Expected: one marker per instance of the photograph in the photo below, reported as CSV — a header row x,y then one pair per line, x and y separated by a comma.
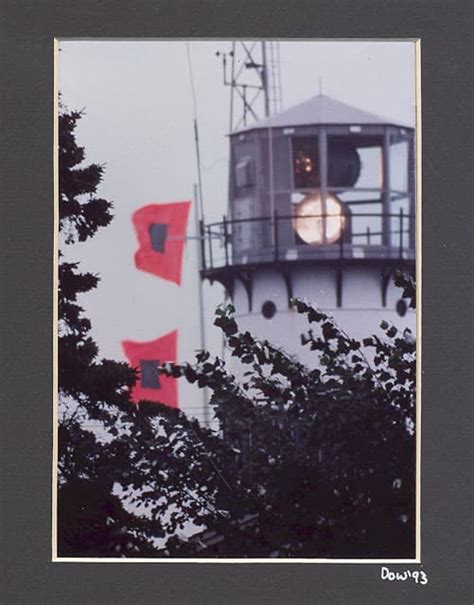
x,y
237,268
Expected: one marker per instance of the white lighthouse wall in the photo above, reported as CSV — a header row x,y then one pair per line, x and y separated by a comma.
x,y
359,316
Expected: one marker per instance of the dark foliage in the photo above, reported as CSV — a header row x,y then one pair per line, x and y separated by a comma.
x,y
93,393
81,213
317,463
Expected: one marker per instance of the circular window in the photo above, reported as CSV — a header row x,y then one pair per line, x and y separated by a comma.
x,y
268,309
401,307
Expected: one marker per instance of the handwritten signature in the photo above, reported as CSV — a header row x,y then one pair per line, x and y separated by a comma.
x,y
419,577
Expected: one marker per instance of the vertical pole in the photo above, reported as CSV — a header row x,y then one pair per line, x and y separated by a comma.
x,y
339,272
270,178
201,240
386,189
196,133
198,160
279,106
275,236
323,175
400,241
232,89
202,329
209,240
265,80
226,251
244,95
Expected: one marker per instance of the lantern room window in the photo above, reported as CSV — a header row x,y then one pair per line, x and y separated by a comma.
x,y
343,160
305,162
355,162
244,173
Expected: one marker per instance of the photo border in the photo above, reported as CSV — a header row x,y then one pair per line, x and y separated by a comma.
x,y
418,410
29,30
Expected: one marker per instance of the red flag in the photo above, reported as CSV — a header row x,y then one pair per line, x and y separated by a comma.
x,y
161,232
146,357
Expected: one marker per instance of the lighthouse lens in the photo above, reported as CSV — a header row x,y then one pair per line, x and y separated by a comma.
x,y
310,224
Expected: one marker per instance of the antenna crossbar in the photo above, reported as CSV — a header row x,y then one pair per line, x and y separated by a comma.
x,y
253,67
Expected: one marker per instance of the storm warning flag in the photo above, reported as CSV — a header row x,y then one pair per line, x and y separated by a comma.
x,y
146,357
161,232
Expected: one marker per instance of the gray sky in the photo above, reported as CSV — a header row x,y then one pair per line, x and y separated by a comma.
x,y
139,122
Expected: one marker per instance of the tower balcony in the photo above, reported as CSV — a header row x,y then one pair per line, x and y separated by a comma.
x,y
337,239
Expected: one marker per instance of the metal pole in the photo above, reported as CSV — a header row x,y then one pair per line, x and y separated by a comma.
x,y
270,142
275,235
400,249
270,179
203,247
244,95
265,80
196,133
210,247
386,199
323,175
232,80
202,325
226,251
198,159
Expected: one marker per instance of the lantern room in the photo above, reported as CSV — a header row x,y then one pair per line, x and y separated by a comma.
x,y
322,181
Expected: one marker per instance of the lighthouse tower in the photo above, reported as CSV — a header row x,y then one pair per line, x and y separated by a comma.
x,y
321,206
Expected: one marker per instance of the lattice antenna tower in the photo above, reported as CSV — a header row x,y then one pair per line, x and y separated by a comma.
x,y
252,70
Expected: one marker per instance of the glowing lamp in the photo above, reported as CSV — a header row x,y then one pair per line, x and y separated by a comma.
x,y
310,224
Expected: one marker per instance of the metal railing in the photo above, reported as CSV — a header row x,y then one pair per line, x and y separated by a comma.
x,y
274,239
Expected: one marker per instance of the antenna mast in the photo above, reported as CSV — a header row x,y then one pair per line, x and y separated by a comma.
x,y
252,70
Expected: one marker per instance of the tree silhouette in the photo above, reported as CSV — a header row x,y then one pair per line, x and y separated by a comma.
x,y
93,405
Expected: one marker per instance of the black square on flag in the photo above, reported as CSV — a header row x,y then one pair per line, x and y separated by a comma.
x,y
158,233
150,378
